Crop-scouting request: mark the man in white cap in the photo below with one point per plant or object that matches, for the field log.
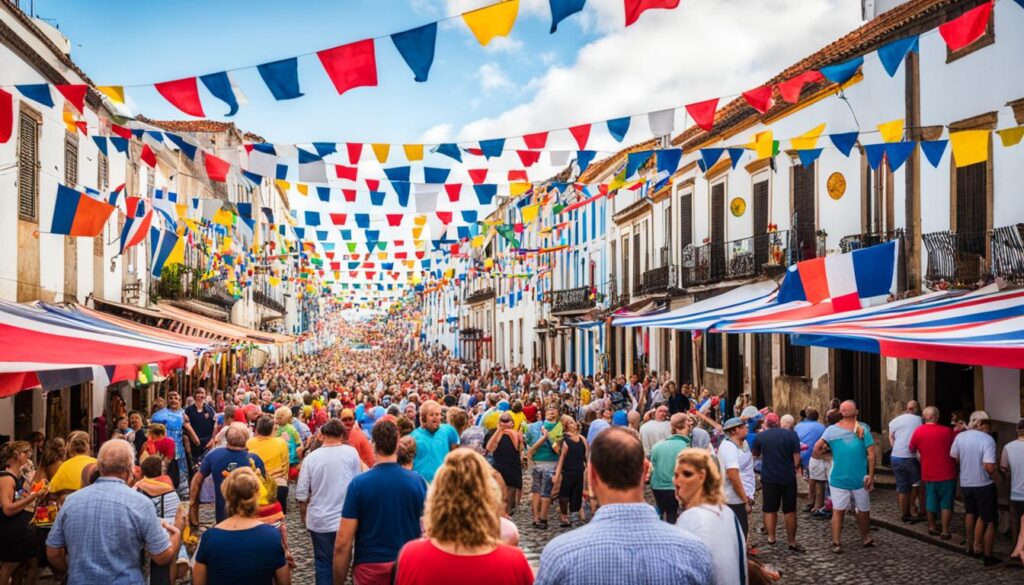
(975, 451)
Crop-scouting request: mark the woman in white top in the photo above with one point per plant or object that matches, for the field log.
(698, 485)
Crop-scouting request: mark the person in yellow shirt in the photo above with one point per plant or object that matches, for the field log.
(76, 467)
(274, 453)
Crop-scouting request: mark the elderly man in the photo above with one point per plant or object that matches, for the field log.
(218, 464)
(905, 465)
(433, 441)
(663, 463)
(101, 528)
(975, 451)
(655, 429)
(737, 466)
(598, 552)
(853, 472)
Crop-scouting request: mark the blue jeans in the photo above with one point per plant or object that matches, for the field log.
(323, 556)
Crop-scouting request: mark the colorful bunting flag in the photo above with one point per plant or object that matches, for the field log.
(892, 54)
(350, 66)
(528, 157)
(492, 21)
(791, 88)
(897, 153)
(77, 214)
(891, 131)
(413, 152)
(584, 158)
(417, 48)
(562, 9)
(381, 152)
(933, 150)
(807, 157)
(216, 168)
(844, 141)
(492, 148)
(662, 122)
(450, 150)
(667, 159)
(634, 8)
(808, 140)
(38, 92)
(703, 113)
(619, 127)
(219, 84)
(75, 94)
(183, 94)
(1009, 136)
(842, 72)
(966, 28)
(136, 224)
(874, 152)
(148, 156)
(6, 116)
(355, 152)
(282, 78)
(581, 133)
(453, 190)
(114, 92)
(760, 98)
(969, 147)
(535, 141)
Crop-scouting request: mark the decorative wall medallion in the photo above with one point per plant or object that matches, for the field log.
(738, 207)
(836, 185)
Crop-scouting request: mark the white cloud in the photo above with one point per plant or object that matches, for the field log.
(705, 48)
(526, 7)
(492, 77)
(437, 134)
(548, 58)
(503, 45)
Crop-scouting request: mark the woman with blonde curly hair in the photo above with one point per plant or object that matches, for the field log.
(463, 530)
(698, 484)
(242, 548)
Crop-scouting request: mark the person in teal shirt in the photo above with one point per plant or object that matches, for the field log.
(433, 441)
(663, 464)
(853, 471)
(544, 440)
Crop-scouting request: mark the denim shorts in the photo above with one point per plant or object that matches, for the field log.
(542, 475)
(908, 473)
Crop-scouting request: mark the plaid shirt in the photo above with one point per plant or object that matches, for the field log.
(607, 550)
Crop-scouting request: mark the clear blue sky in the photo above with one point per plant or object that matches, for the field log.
(127, 43)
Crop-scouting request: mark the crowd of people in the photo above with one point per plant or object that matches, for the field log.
(407, 466)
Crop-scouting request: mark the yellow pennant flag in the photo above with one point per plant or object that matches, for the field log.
(274, 281)
(69, 121)
(477, 241)
(420, 220)
(530, 213)
(969, 146)
(416, 232)
(413, 152)
(488, 263)
(763, 144)
(617, 181)
(225, 248)
(114, 92)
(283, 185)
(302, 188)
(418, 244)
(492, 21)
(415, 279)
(808, 140)
(891, 131)
(381, 152)
(177, 255)
(382, 255)
(224, 217)
(518, 188)
(1011, 136)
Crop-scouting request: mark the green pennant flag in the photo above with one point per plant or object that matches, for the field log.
(509, 233)
(351, 246)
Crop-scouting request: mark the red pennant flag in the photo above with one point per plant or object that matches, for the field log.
(74, 94)
(966, 28)
(519, 175)
(475, 151)
(352, 65)
(368, 265)
(703, 113)
(355, 151)
(517, 228)
(536, 141)
(791, 88)
(603, 188)
(148, 156)
(394, 219)
(454, 250)
(419, 255)
(478, 175)
(83, 127)
(444, 217)
(398, 244)
(183, 94)
(581, 133)
(369, 274)
(335, 266)
(121, 131)
(216, 168)
(339, 218)
(344, 172)
(373, 184)
(634, 8)
(760, 99)
(349, 195)
(401, 255)
(529, 157)
(453, 190)
(353, 273)
(6, 116)
(330, 255)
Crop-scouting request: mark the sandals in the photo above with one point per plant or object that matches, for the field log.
(932, 532)
(869, 544)
(565, 524)
(837, 548)
(797, 548)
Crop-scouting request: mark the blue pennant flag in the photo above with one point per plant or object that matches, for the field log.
(844, 141)
(282, 78)
(735, 155)
(373, 235)
(101, 143)
(892, 54)
(398, 174)
(402, 189)
(252, 178)
(321, 235)
(584, 158)
(377, 198)
(121, 144)
(807, 157)
(463, 231)
(244, 209)
(897, 153)
(842, 72)
(300, 232)
(492, 148)
(362, 220)
(435, 176)
(709, 156)
(186, 148)
(933, 149)
(635, 160)
(323, 194)
(282, 172)
(450, 150)
(346, 234)
(562, 9)
(155, 135)
(219, 85)
(417, 48)
(485, 193)
(325, 148)
(312, 218)
(469, 215)
(874, 153)
(668, 160)
(618, 128)
(306, 157)
(39, 92)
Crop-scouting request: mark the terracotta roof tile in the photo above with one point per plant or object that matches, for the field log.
(197, 126)
(870, 36)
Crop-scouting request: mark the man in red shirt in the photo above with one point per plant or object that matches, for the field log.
(932, 442)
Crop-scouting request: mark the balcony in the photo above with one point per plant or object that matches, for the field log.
(739, 259)
(660, 280)
(616, 300)
(269, 296)
(859, 241)
(971, 259)
(480, 295)
(572, 300)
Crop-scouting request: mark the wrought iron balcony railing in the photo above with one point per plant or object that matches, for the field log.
(744, 258)
(970, 259)
(572, 299)
(660, 280)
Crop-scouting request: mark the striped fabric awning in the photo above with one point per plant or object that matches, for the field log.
(703, 314)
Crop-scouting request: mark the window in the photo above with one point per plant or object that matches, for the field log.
(666, 250)
(760, 211)
(685, 219)
(804, 219)
(794, 358)
(28, 166)
(71, 161)
(972, 207)
(102, 172)
(713, 351)
(986, 39)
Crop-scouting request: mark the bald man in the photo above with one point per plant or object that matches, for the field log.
(905, 466)
(853, 472)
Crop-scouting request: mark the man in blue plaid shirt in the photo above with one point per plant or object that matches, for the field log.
(623, 529)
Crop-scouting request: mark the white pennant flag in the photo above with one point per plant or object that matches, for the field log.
(662, 122)
(560, 158)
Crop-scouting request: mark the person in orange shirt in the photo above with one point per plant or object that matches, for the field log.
(356, 438)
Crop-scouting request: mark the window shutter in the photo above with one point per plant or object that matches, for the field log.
(686, 220)
(28, 167)
(71, 163)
